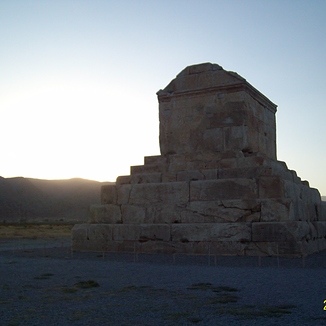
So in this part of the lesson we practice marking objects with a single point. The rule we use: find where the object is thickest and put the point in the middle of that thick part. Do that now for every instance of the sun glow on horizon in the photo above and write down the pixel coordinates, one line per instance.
(72, 129)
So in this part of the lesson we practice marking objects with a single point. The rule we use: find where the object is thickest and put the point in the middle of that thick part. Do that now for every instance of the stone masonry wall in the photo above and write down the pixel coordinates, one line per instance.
(216, 188)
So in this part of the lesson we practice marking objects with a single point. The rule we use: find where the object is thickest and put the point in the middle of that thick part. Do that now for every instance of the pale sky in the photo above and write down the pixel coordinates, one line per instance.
(78, 79)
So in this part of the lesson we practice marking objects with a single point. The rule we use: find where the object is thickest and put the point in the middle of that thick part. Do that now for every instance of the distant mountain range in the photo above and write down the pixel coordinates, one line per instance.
(25, 200)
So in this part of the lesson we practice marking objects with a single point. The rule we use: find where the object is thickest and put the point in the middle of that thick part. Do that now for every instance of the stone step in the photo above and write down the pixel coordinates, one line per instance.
(194, 175)
(192, 232)
(177, 167)
(185, 191)
(213, 211)
(265, 239)
(181, 163)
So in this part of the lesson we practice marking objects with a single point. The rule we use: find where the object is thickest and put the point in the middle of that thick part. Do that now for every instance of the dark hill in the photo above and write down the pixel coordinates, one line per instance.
(35, 200)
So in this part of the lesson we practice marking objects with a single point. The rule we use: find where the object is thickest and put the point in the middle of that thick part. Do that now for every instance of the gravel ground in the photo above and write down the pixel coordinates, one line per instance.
(43, 283)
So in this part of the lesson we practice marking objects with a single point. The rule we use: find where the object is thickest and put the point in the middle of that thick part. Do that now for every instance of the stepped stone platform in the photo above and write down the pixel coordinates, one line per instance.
(217, 188)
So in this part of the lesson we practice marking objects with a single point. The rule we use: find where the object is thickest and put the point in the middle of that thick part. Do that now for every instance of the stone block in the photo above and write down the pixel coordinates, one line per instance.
(202, 165)
(262, 142)
(169, 177)
(105, 214)
(254, 217)
(315, 196)
(310, 247)
(157, 159)
(228, 163)
(257, 110)
(323, 211)
(146, 178)
(313, 233)
(221, 211)
(124, 179)
(305, 183)
(178, 158)
(211, 232)
(254, 205)
(271, 148)
(100, 232)
(155, 232)
(277, 210)
(253, 160)
(246, 173)
(320, 227)
(79, 232)
(295, 177)
(209, 69)
(271, 187)
(315, 208)
(199, 157)
(123, 246)
(213, 139)
(231, 215)
(190, 175)
(300, 210)
(225, 248)
(193, 165)
(126, 232)
(253, 122)
(291, 190)
(312, 211)
(321, 244)
(280, 169)
(177, 167)
(133, 214)
(280, 231)
(109, 194)
(221, 189)
(91, 237)
(160, 214)
(210, 174)
(172, 192)
(124, 193)
(141, 232)
(149, 168)
(186, 82)
(287, 248)
(231, 114)
(309, 195)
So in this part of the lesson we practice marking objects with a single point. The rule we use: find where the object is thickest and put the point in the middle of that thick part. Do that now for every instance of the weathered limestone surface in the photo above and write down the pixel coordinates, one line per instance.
(217, 187)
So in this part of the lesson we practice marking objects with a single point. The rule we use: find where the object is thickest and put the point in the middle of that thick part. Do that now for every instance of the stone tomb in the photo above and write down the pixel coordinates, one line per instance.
(217, 187)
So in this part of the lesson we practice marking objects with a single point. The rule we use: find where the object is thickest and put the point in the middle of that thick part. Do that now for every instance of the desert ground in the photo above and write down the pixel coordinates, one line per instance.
(44, 283)
(35, 231)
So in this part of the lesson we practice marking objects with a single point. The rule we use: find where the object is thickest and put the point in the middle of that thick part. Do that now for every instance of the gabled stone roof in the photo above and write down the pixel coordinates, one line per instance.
(210, 78)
